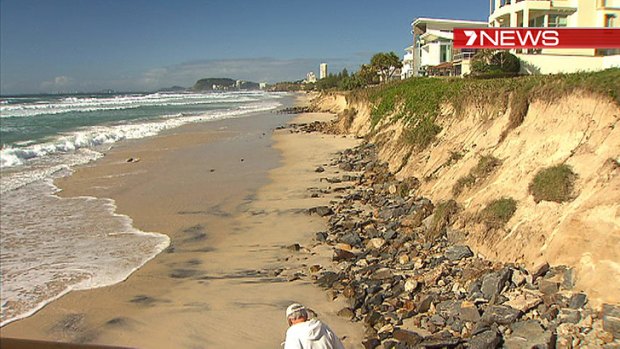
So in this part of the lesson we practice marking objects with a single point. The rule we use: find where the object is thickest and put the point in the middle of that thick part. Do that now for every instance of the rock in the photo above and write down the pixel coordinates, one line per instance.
(315, 268)
(294, 247)
(382, 274)
(389, 234)
(527, 335)
(500, 314)
(517, 278)
(375, 243)
(321, 211)
(319, 169)
(343, 246)
(411, 285)
(321, 236)
(441, 340)
(371, 343)
(469, 312)
(392, 189)
(448, 308)
(458, 252)
(611, 319)
(343, 255)
(577, 301)
(328, 279)
(568, 281)
(489, 339)
(569, 316)
(352, 239)
(424, 303)
(403, 259)
(409, 337)
(539, 270)
(493, 283)
(346, 166)
(548, 287)
(346, 313)
(524, 302)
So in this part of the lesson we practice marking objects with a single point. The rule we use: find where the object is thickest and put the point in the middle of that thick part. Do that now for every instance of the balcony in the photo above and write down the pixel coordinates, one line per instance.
(460, 56)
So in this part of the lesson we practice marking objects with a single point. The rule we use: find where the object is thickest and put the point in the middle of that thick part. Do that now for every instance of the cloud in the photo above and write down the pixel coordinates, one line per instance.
(57, 83)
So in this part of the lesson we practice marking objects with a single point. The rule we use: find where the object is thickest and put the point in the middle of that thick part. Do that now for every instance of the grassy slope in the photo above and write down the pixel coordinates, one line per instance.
(418, 100)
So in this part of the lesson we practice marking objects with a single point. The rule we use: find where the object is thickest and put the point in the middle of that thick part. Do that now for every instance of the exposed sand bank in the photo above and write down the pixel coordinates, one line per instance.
(580, 130)
(218, 285)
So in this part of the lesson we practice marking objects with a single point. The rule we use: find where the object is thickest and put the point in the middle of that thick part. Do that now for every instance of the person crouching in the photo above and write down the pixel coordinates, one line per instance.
(306, 333)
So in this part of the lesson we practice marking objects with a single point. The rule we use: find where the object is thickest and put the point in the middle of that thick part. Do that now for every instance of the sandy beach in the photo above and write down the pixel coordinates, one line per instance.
(232, 195)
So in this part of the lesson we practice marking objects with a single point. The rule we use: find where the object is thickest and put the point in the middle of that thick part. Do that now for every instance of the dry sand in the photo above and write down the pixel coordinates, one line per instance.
(229, 228)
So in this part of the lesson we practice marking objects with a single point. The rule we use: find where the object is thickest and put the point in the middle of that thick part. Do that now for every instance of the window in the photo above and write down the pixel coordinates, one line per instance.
(445, 54)
(610, 21)
(557, 21)
(537, 22)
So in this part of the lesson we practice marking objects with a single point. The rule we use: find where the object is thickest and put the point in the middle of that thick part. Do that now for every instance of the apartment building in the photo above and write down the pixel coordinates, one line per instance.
(559, 14)
(433, 52)
(407, 69)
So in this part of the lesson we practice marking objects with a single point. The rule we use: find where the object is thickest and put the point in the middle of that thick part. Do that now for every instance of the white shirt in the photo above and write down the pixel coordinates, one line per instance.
(311, 334)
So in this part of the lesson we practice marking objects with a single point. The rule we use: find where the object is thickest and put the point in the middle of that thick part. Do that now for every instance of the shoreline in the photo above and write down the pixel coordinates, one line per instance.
(199, 278)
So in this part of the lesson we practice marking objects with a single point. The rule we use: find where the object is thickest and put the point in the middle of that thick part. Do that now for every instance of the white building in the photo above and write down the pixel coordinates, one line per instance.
(310, 77)
(433, 50)
(323, 71)
(407, 70)
(559, 13)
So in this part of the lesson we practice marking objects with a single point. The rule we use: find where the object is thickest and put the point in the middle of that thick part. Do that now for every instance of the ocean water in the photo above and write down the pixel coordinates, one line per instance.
(51, 245)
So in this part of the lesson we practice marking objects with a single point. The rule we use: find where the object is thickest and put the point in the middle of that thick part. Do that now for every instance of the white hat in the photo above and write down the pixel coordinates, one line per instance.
(293, 308)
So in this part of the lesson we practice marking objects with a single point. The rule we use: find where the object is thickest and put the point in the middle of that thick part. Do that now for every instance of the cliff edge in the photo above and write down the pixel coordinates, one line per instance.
(531, 163)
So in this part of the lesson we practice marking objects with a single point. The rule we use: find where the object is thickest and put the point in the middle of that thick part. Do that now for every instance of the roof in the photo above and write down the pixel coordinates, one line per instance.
(421, 20)
(442, 65)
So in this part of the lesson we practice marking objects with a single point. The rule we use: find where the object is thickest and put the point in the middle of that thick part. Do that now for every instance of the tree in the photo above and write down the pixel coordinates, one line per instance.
(489, 62)
(385, 64)
(367, 74)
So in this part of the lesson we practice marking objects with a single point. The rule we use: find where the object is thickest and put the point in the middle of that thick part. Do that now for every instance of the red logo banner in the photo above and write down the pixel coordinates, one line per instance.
(511, 38)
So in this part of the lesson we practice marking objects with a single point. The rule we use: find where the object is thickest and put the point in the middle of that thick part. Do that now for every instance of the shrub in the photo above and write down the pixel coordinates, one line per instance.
(498, 212)
(422, 134)
(442, 217)
(485, 166)
(462, 183)
(494, 63)
(553, 184)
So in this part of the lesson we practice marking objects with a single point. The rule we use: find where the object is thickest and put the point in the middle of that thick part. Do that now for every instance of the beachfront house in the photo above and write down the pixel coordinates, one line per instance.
(558, 14)
(433, 52)
(407, 69)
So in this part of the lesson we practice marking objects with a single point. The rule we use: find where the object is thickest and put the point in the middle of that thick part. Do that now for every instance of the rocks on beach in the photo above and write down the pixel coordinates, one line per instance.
(412, 287)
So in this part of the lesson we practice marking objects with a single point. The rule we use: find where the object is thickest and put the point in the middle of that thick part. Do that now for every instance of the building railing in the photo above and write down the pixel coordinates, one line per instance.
(463, 56)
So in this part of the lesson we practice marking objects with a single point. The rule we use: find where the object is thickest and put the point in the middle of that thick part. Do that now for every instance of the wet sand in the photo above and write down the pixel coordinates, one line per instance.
(232, 196)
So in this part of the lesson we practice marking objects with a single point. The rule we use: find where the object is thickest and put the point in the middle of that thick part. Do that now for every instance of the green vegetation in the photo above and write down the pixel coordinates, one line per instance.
(492, 63)
(422, 134)
(553, 184)
(385, 64)
(442, 217)
(486, 165)
(498, 212)
(418, 101)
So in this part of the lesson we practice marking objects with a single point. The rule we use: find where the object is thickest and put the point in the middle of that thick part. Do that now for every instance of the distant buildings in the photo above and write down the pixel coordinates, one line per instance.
(262, 85)
(323, 71)
(310, 78)
(557, 14)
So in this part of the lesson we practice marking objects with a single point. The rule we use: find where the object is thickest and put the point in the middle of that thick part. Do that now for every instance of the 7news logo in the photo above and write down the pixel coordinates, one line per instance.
(514, 38)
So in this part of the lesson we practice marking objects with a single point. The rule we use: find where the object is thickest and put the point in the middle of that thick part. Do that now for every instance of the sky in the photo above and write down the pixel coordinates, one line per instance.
(143, 45)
